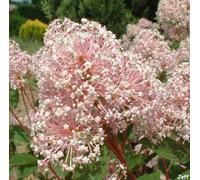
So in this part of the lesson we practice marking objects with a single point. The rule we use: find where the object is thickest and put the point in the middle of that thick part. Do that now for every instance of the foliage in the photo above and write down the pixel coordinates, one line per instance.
(22, 163)
(25, 163)
(49, 8)
(32, 29)
(29, 45)
(174, 44)
(13, 98)
(152, 176)
(112, 14)
(31, 11)
(144, 8)
(15, 21)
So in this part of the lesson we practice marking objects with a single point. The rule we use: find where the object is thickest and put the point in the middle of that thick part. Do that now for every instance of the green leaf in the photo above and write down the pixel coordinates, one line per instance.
(13, 98)
(130, 133)
(18, 136)
(152, 176)
(23, 159)
(146, 143)
(133, 160)
(12, 148)
(166, 152)
(174, 44)
(27, 171)
(173, 151)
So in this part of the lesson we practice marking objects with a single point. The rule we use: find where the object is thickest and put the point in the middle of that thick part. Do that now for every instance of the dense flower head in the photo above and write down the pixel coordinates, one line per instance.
(173, 15)
(19, 65)
(62, 140)
(171, 112)
(150, 48)
(89, 72)
(134, 29)
(86, 82)
(164, 67)
(179, 88)
(93, 86)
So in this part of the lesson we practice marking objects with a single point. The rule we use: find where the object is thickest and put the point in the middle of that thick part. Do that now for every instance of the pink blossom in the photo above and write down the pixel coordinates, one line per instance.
(86, 81)
(173, 15)
(19, 65)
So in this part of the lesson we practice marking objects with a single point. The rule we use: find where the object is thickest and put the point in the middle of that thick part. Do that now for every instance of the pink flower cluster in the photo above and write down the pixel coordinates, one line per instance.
(134, 29)
(166, 68)
(86, 82)
(173, 15)
(151, 48)
(90, 82)
(19, 65)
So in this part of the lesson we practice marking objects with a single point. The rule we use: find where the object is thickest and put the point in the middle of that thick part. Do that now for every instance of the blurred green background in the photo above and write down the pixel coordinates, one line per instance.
(114, 14)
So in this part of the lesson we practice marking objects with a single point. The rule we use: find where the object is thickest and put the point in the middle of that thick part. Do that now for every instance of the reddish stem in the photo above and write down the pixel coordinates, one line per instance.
(115, 147)
(25, 106)
(53, 172)
(32, 97)
(18, 120)
(114, 150)
(27, 97)
(166, 169)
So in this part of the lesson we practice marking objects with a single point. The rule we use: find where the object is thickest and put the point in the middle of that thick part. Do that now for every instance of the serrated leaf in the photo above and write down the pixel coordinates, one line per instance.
(152, 176)
(13, 98)
(23, 159)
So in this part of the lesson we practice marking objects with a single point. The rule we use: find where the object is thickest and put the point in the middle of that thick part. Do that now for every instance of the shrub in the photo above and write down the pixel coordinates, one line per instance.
(31, 11)
(143, 8)
(49, 8)
(32, 29)
(15, 21)
(111, 13)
